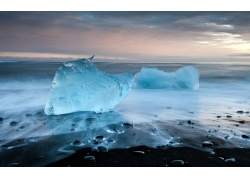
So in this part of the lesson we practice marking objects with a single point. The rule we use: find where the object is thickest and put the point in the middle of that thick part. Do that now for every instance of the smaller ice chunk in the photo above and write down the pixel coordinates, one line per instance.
(186, 77)
(80, 86)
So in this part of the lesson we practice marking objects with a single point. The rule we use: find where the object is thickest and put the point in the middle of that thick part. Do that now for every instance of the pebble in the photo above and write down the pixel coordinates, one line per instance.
(1, 119)
(89, 158)
(110, 140)
(77, 143)
(221, 158)
(247, 112)
(207, 144)
(177, 163)
(239, 112)
(13, 123)
(230, 160)
(103, 149)
(189, 122)
(28, 114)
(228, 116)
(128, 125)
(218, 116)
(242, 122)
(245, 136)
(138, 153)
(99, 137)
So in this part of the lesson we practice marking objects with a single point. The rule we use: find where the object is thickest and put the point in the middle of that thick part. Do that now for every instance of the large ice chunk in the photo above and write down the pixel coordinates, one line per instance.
(80, 86)
(186, 77)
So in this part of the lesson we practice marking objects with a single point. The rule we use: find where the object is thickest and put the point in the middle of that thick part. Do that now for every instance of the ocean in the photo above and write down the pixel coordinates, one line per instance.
(157, 117)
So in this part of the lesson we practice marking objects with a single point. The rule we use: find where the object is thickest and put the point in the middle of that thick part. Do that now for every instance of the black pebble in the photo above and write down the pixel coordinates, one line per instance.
(189, 122)
(218, 116)
(28, 114)
(240, 112)
(13, 123)
(90, 119)
(229, 116)
(207, 144)
(110, 140)
(245, 136)
(1, 119)
(138, 153)
(99, 137)
(77, 143)
(241, 122)
(128, 125)
(103, 149)
(89, 158)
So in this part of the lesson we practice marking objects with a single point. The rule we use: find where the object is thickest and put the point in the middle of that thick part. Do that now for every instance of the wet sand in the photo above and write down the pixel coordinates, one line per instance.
(156, 157)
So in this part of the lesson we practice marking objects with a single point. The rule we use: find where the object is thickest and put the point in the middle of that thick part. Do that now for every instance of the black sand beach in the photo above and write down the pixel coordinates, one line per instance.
(151, 157)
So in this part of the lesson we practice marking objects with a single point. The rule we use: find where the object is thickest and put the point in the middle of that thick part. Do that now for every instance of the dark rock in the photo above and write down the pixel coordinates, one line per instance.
(110, 140)
(128, 125)
(13, 123)
(207, 144)
(240, 112)
(230, 160)
(28, 114)
(228, 116)
(218, 116)
(245, 136)
(103, 149)
(189, 122)
(236, 124)
(1, 119)
(138, 153)
(177, 163)
(72, 129)
(99, 137)
(242, 122)
(95, 142)
(77, 143)
(89, 158)
(247, 112)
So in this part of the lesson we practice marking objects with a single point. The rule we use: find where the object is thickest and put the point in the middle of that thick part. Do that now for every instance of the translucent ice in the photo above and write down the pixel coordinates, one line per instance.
(186, 77)
(80, 86)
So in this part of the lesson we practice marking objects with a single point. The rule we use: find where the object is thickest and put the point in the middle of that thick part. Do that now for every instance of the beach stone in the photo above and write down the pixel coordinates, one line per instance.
(99, 137)
(230, 160)
(218, 116)
(77, 143)
(247, 112)
(207, 144)
(110, 140)
(189, 122)
(177, 163)
(1, 119)
(89, 158)
(128, 125)
(228, 116)
(28, 114)
(102, 149)
(242, 122)
(240, 112)
(245, 136)
(13, 123)
(138, 153)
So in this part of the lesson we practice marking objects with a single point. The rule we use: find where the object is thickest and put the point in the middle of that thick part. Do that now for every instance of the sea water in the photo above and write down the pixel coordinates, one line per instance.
(151, 117)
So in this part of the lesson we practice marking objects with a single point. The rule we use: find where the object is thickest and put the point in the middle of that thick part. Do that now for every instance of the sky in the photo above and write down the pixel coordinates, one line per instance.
(131, 36)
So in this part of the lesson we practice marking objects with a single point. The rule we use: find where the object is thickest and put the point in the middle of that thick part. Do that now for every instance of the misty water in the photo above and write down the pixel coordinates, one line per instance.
(151, 117)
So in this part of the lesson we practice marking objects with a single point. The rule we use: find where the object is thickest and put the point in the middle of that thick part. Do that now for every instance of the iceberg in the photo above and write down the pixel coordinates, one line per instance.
(80, 86)
(186, 77)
